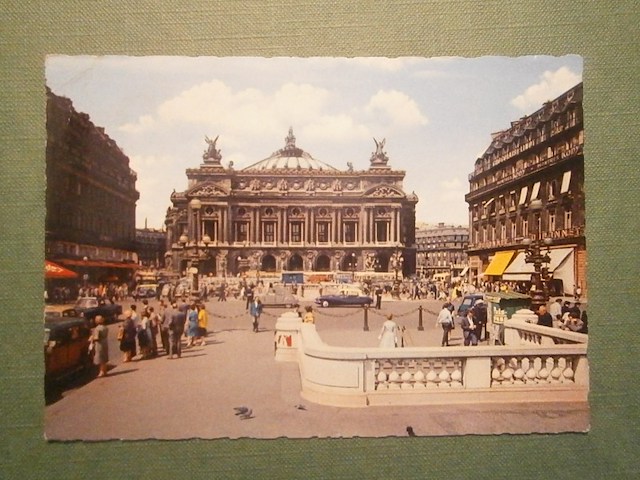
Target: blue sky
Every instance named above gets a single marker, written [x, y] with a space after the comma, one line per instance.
[436, 114]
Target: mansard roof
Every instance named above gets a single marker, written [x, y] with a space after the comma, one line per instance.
[290, 158]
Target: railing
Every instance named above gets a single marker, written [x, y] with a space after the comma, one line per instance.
[531, 371]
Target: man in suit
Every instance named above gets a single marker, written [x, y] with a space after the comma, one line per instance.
[176, 329]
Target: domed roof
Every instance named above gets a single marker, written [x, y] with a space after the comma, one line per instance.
[291, 158]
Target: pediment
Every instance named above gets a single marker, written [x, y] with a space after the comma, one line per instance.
[207, 190]
[384, 191]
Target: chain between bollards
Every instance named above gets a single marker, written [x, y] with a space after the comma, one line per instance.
[420, 326]
[366, 318]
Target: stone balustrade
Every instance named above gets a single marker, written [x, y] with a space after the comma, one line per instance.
[346, 376]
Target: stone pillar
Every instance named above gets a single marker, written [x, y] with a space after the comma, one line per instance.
[477, 373]
[287, 337]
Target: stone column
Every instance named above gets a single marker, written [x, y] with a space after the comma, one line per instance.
[312, 227]
[287, 337]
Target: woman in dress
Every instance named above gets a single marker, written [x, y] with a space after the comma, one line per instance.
[388, 335]
[192, 324]
[128, 341]
[101, 345]
[203, 321]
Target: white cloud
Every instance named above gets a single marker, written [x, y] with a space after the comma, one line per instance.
[397, 106]
[335, 127]
[551, 85]
[217, 107]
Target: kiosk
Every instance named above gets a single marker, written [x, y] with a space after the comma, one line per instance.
[500, 307]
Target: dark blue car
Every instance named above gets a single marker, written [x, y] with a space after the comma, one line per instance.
[343, 298]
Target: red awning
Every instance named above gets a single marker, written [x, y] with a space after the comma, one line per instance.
[53, 270]
[98, 263]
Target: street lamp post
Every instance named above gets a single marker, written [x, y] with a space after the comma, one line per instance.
[535, 256]
[195, 205]
[396, 264]
[353, 264]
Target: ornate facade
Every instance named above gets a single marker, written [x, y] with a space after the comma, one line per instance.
[291, 212]
[529, 184]
[91, 196]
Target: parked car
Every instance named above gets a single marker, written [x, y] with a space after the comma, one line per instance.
[89, 307]
[145, 291]
[468, 301]
[66, 345]
[279, 297]
[347, 296]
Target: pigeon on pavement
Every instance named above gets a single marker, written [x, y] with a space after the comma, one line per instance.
[247, 415]
[241, 410]
[300, 407]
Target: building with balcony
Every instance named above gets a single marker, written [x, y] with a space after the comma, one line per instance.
[90, 197]
[291, 212]
[442, 251]
[530, 183]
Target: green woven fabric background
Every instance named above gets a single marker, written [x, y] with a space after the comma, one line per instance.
[605, 33]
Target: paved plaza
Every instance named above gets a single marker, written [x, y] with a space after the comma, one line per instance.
[195, 396]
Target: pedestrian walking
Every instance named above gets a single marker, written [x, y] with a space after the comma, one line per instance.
[445, 320]
[203, 322]
[469, 329]
[176, 330]
[166, 316]
[192, 324]
[248, 295]
[154, 324]
[389, 334]
[144, 335]
[480, 318]
[378, 293]
[128, 337]
[100, 342]
[255, 310]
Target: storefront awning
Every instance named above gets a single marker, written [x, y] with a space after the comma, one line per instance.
[519, 270]
[53, 270]
[499, 263]
[98, 263]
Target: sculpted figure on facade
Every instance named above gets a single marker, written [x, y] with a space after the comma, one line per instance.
[212, 153]
[379, 157]
[311, 185]
[255, 184]
[283, 185]
[370, 261]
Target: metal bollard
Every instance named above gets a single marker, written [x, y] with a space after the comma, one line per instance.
[366, 318]
[420, 326]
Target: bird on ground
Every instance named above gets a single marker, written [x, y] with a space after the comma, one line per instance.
[410, 431]
[241, 410]
[247, 415]
[300, 407]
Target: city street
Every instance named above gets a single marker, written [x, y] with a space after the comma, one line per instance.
[195, 396]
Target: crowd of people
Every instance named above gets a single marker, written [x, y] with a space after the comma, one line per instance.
[144, 335]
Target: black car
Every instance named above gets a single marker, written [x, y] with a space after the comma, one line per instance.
[468, 302]
[66, 345]
[344, 297]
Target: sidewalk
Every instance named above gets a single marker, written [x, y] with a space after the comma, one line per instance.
[195, 396]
